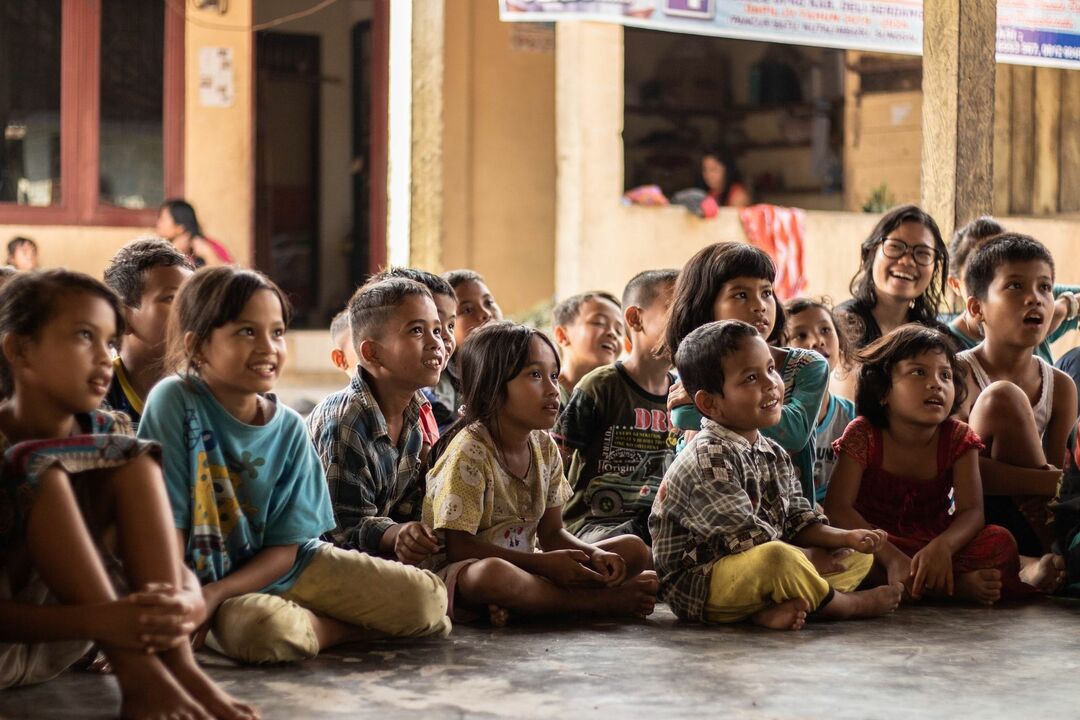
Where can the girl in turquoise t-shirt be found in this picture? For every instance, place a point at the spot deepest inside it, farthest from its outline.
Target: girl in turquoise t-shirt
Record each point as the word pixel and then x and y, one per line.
pixel 734 281
pixel 248 494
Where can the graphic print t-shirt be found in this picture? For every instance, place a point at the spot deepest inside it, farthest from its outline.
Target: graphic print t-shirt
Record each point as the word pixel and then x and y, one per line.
pixel 621 447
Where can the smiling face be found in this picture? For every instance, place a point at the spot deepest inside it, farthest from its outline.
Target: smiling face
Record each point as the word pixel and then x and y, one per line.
pixel 902 278
pixel 447 308
pixel 69 363
pixel 475 306
pixel 245 356
pixel 595 336
pixel 813 329
pixel 748 299
pixel 532 397
pixel 1019 304
pixel 923 389
pixel 753 391
pixel 409 349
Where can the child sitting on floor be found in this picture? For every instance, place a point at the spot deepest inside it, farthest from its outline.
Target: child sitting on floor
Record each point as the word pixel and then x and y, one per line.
pixel 588 329
pixel 248 495
pixel 906 466
pixel 730 522
pixel 1021 406
pixel 496 491
pixel 369 435
pixel 614 431
pixel 146 274
pixel 812 325
pixel 342 353
pixel 72 475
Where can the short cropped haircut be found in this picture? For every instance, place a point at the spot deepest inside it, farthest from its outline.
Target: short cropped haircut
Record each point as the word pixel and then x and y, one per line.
pixel 30 300
pixel 880 358
pixel 17 242
pixel 645 287
pixel 435 284
pixel 700 357
pixel 1007 248
pixel 339 326
pixel 567 311
pixel 373 304
pixel 126 272
pixel 967 239
pixel 460 277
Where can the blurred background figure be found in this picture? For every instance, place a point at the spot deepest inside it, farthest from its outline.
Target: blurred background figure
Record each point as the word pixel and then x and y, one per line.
pixel 177 224
pixel 22 253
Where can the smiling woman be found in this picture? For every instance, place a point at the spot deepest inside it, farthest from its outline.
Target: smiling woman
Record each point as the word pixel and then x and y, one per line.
pixel 901 278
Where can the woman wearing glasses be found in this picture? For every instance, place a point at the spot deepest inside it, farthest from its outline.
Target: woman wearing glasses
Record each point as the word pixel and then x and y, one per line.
pixel 901 278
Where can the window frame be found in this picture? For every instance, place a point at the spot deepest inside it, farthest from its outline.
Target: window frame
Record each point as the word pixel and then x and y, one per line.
pixel 80 123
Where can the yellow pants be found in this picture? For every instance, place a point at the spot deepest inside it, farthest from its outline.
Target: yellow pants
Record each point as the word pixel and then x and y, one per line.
pixel 743 584
pixel 382 597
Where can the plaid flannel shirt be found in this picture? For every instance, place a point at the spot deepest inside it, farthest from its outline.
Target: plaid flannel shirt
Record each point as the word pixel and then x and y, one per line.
pixel 723 495
pixel 373 484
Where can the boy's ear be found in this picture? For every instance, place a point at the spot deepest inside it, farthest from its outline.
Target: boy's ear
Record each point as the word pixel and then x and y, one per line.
pixel 337 357
pixel 632 317
pixel 127 318
pixel 975 308
pixel 560 336
pixel 368 352
pixel 707 405
pixel 13 349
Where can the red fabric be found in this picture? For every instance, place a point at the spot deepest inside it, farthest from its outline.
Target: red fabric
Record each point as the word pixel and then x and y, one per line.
pixel 428 427
pixel 222 252
pixel 779 231
pixel 914 512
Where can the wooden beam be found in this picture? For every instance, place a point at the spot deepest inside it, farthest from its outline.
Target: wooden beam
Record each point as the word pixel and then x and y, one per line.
pixel 426 218
pixel 958 109
pixel 1069 191
pixel 1023 141
pixel 1002 138
pixel 1047 136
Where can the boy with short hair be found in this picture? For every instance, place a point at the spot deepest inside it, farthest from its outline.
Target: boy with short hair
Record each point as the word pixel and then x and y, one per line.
pixel 614 431
pixel 146 274
pixel 588 329
pixel 733 536
pixel 1022 407
pixel 368 435
pixel 342 354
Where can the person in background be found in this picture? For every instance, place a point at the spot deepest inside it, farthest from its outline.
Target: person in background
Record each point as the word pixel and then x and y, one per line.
pixel 177 224
pixel 720 179
pixel 22 253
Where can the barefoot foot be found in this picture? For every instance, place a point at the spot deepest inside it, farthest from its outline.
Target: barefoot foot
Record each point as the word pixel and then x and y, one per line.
pixel 878 601
pixel 148 690
pixel 181 663
pixel 636 597
pixel 981 586
pixel 1045 574
pixel 498 616
pixel 788 615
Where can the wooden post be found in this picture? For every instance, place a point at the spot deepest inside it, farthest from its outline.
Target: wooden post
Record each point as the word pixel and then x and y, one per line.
pixel 426 217
pixel 1069 200
pixel 958 110
pixel 1047 136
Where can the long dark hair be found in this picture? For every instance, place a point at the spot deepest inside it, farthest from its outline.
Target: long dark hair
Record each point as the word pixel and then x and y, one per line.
pixel 183 215
pixel 491 357
pixel 210 299
pixel 701 280
pixel 925 307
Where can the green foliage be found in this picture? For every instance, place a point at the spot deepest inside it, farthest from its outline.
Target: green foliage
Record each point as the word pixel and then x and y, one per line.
pixel 880 200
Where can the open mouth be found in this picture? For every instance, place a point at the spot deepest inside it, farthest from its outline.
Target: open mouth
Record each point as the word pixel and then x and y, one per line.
pixel 99 385
pixel 906 277
pixel 935 402
pixel 551 407
pixel 770 404
pixel 267 370
pixel 1034 319
pixel 609 347
pixel 434 363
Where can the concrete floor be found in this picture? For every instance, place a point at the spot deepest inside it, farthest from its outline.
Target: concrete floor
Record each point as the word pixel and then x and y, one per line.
pixel 923 662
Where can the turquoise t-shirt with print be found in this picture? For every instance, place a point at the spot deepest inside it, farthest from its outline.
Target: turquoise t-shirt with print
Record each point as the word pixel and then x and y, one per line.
pixel 236 488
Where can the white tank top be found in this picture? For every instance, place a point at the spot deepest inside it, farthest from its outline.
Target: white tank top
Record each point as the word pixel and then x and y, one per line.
pixel 1041 407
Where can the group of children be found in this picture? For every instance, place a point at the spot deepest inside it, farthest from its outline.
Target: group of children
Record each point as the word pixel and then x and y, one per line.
pixel 157 497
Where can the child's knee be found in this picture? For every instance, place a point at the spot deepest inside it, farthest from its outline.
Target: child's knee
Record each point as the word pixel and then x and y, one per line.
pixel 1003 402
pixel 422 610
pixel 261 628
pixel 490 578
pixel 632 549
pixel 778 559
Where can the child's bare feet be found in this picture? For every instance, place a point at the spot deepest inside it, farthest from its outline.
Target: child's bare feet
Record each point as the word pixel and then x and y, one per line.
pixel 881 600
pixel 148 690
pixel 788 615
pixel 181 662
pixel 635 597
pixel 981 586
pixel 1045 574
pixel 498 615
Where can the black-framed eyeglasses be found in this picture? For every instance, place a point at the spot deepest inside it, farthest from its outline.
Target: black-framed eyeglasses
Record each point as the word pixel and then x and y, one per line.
pixel 896 249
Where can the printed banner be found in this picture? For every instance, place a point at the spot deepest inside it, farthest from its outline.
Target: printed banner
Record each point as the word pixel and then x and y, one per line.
pixel 1029 32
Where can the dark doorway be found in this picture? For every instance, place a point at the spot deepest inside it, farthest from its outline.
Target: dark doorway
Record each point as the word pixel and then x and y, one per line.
pixel 287 167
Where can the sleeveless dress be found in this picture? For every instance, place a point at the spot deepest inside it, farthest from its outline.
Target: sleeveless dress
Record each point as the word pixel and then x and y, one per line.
pixel 915 511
